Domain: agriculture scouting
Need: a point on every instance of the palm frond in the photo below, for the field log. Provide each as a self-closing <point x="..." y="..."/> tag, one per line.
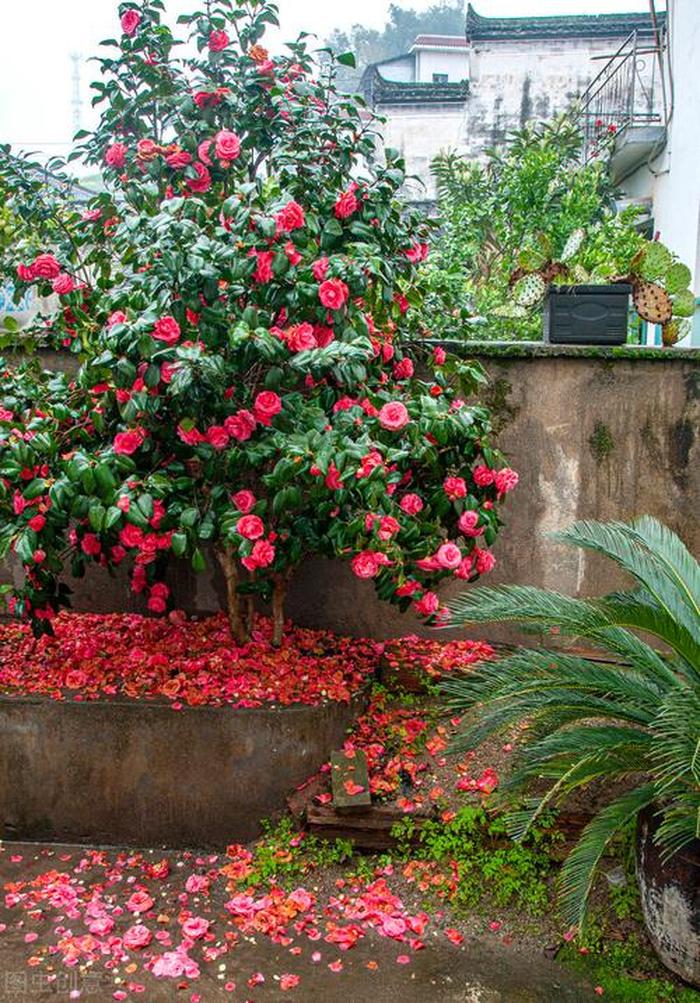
<point x="673" y="553"/>
<point x="627" y="547"/>
<point x="579" y="869"/>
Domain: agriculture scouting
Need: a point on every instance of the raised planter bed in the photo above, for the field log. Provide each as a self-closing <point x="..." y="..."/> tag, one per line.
<point x="136" y="772"/>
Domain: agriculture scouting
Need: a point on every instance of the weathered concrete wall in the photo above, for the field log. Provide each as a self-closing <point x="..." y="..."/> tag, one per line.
<point x="594" y="434"/>
<point x="140" y="773"/>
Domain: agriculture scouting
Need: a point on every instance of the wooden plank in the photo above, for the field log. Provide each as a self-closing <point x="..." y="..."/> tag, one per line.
<point x="367" y="830"/>
<point x="350" y="780"/>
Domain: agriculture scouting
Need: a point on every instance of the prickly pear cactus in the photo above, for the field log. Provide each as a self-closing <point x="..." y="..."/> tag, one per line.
<point x="683" y="303"/>
<point x="652" y="303"/>
<point x="678" y="278"/>
<point x="656" y="263"/>
<point x="531" y="259"/>
<point x="674" y="331"/>
<point x="573" y="244"/>
<point x="529" y="290"/>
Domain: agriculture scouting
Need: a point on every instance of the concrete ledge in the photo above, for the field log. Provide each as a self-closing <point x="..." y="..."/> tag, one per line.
<point x="140" y="773"/>
<point x="540" y="350"/>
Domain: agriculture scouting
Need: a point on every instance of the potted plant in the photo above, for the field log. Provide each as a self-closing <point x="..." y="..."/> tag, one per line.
<point x="587" y="303"/>
<point x="633" y="719"/>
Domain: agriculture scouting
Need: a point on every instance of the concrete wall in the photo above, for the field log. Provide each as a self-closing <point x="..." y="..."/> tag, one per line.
<point x="420" y="132"/>
<point x="594" y="434"/>
<point x="453" y="62"/>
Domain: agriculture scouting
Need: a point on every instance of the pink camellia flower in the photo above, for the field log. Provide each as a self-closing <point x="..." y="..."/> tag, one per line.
<point x="63" y="284"/>
<point x="417" y="252"/>
<point x="37" y="523"/>
<point x="288" y="981"/>
<point x="251" y="527"/>
<point x="428" y="605"/>
<point x="487" y="783"/>
<point x="197" y="883"/>
<point x="147" y="149"/>
<point x="468" y="523"/>
<point x="261" y="556"/>
<point x="333" y="293"/>
<point x="301" y="338"/>
<point x="101" y="926"/>
<point x="218" y="41"/>
<point x="177" y="159"/>
<point x="139" y="902"/>
<point x="411" y="504"/>
<point x="484" y="561"/>
<point x="347" y="203"/>
<point x="483" y="476"/>
<point x="195" y="927"/>
<point x="293" y="255"/>
<point x="203" y="151"/>
<point x="126" y="443"/>
<point x="394" y="416"/>
<point x="455" y="487"/>
<point x="115" y="155"/>
<point x="290" y="217"/>
<point x="90" y="545"/>
<point x="118" y="317"/>
<point x="170" y="965"/>
<point x="217" y="436"/>
<point x="388" y="526"/>
<point x="240" y="426"/>
<point x="25" y="273"/>
<point x="449" y="556"/>
<point x="506" y="480"/>
<point x="267" y="404"/>
<point x="320" y="269"/>
<point x="439" y="356"/>
<point x="136" y="937"/>
<point x="130" y="20"/>
<point x="227" y="145"/>
<point x="244" y="501"/>
<point x="166" y="329"/>
<point x="45" y="266"/>
<point x="368" y="563"/>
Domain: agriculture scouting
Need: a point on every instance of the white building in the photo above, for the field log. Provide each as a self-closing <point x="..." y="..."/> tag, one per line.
<point x="467" y="92"/>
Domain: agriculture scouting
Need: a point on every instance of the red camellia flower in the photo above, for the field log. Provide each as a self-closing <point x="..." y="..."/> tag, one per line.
<point x="506" y="480"/>
<point x="394" y="416"/>
<point x="178" y="158"/>
<point x="244" y="501"/>
<point x="320" y="269"/>
<point x="218" y="41"/>
<point x="428" y="605"/>
<point x="263" y="271"/>
<point x="166" y="329"/>
<point x="37" y="523"/>
<point x="267" y="404"/>
<point x="290" y="217"/>
<point x="126" y="443"/>
<point x="449" y="556"/>
<point x="333" y="293"/>
<point x="227" y="145"/>
<point x="347" y="203"/>
<point x="261" y="556"/>
<point x="217" y="436"/>
<point x="468" y="522"/>
<point x="130" y="20"/>
<point x="25" y="273"/>
<point x="241" y="425"/>
<point x="251" y="527"/>
<point x="115" y="155"/>
<point x="45" y="266"/>
<point x="202" y="183"/>
<point x="483" y="476"/>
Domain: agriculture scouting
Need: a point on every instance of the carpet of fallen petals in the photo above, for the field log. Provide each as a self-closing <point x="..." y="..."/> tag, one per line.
<point x="195" y="662"/>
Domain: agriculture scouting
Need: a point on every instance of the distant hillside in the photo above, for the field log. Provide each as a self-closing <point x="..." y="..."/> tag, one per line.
<point x="371" y="45"/>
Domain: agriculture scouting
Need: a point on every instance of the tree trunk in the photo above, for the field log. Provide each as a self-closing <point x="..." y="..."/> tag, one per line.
<point x="235" y="618"/>
<point x="279" y="593"/>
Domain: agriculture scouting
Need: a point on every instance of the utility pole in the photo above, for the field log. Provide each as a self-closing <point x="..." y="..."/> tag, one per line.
<point x="77" y="101"/>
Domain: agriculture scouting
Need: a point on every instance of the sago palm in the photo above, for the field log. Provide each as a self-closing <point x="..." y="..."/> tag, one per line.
<point x="633" y="717"/>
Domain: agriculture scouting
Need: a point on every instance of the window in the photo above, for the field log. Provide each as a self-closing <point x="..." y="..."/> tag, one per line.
<point x="440" y="78"/>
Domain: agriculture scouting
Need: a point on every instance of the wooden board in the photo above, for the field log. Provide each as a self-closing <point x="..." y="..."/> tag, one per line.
<point x="368" y="830"/>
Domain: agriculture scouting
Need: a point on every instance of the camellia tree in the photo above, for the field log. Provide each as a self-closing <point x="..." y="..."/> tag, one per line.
<point x="241" y="296"/>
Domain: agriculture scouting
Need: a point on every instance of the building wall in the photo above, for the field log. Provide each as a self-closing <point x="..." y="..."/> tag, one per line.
<point x="420" y="132"/>
<point x="673" y="179"/>
<point x="454" y="63"/>
<point x="511" y="83"/>
<point x="402" y="70"/>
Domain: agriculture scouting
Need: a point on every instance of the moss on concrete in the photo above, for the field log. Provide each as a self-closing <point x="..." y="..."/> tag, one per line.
<point x="540" y="350"/>
<point x="601" y="442"/>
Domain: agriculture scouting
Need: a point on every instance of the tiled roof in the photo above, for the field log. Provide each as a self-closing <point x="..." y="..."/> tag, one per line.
<point x="568" y="26"/>
<point x="440" y="42"/>
<point x="379" y="91"/>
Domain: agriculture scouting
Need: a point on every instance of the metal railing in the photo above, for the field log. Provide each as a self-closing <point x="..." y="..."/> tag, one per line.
<point x="629" y="90"/>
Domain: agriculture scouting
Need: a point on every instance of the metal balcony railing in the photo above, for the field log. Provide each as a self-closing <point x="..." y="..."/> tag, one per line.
<point x="630" y="90"/>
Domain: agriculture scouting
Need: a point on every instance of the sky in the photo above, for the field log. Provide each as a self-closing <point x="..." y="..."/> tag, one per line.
<point x="38" y="38"/>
